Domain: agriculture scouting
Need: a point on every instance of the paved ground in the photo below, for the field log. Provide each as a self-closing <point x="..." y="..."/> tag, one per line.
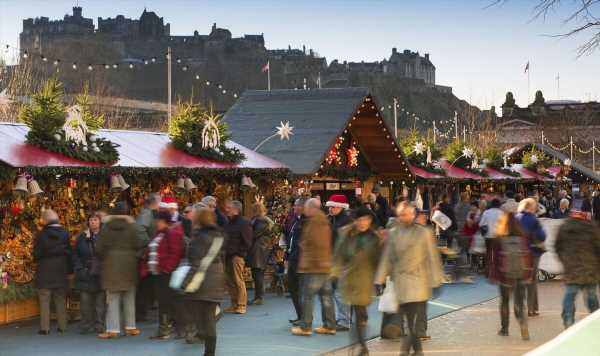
<point x="263" y="331"/>
<point x="472" y="331"/>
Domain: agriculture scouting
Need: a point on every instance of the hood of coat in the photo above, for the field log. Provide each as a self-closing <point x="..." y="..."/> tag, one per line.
<point x="118" y="222"/>
<point x="54" y="231"/>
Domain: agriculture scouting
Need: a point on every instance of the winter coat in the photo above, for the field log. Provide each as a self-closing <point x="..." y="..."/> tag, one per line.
<point x="83" y="255"/>
<point x="146" y="220"/>
<point x="315" y="245"/>
<point x="382" y="210"/>
<point x="411" y="259"/>
<point x="596" y="208"/>
<point x="117" y="247"/>
<point x="261" y="242"/>
<point x="293" y="239"/>
<point x="170" y="251"/>
<point x="461" y="210"/>
<point x="52" y="255"/>
<point x="212" y="288"/>
<point x="559" y="214"/>
<point x="355" y="262"/>
<point x="338" y="221"/>
<point x="578" y="247"/>
<point x="499" y="263"/>
<point x="586" y="205"/>
<point x="534" y="232"/>
<point x="222" y="220"/>
<point x="239" y="237"/>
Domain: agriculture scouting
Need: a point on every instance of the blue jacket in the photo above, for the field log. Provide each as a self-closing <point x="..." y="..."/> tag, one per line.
<point x="534" y="232"/>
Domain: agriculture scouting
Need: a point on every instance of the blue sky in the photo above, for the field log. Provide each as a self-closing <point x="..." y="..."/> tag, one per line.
<point x="481" y="52"/>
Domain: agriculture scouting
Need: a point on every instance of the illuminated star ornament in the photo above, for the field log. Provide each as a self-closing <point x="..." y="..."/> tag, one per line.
<point x="534" y="159"/>
<point x="467" y="152"/>
<point x="419" y="148"/>
<point x="284" y="130"/>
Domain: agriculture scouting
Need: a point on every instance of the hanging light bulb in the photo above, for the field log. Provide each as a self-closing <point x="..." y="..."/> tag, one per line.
<point x="25" y="54"/>
<point x="184" y="68"/>
<point x="197" y="77"/>
<point x="145" y="61"/>
<point x="130" y="65"/>
<point x="224" y="91"/>
<point x="56" y="62"/>
<point x="220" y="86"/>
<point x="107" y="66"/>
<point x="44" y="59"/>
<point x="74" y="65"/>
<point x="235" y="95"/>
<point x="90" y="67"/>
<point x="178" y="60"/>
<point x="153" y="59"/>
<point x="115" y="66"/>
<point x="207" y="82"/>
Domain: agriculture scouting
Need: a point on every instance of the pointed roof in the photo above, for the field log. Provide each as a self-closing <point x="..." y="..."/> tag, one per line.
<point x="319" y="117"/>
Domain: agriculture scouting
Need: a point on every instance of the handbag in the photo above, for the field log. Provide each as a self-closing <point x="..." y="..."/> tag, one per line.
<point x="388" y="302"/>
<point x="441" y="220"/>
<point x="178" y="276"/>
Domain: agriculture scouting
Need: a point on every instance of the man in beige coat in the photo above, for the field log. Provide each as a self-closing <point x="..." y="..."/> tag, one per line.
<point x="413" y="263"/>
<point x="314" y="266"/>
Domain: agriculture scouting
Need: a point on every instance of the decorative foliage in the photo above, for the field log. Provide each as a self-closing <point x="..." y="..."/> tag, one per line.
<point x="535" y="159"/>
<point x="93" y="121"/>
<point x="201" y="133"/>
<point x="51" y="129"/>
<point x="460" y="154"/>
<point x="420" y="152"/>
<point x="493" y="157"/>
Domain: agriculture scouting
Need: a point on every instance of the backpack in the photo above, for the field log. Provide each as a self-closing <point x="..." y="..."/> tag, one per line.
<point x="515" y="256"/>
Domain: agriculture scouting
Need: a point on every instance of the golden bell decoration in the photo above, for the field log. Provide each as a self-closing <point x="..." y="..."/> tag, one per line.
<point x="115" y="185"/>
<point x="21" y="185"/>
<point x="180" y="186"/>
<point x="247" y="183"/>
<point x="189" y="185"/>
<point x="34" y="187"/>
<point x="122" y="182"/>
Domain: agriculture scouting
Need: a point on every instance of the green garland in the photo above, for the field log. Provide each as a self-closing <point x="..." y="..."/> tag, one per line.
<point x="542" y="161"/>
<point x="454" y="154"/>
<point x="509" y="172"/>
<point x="343" y="173"/>
<point x="408" y="144"/>
<point x="17" y="292"/>
<point x="185" y="131"/>
<point x="107" y="152"/>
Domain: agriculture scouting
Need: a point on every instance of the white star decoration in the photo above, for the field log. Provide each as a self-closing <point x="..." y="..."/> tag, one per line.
<point x="419" y="148"/>
<point x="533" y="159"/>
<point x="284" y="130"/>
<point x="567" y="162"/>
<point x="467" y="152"/>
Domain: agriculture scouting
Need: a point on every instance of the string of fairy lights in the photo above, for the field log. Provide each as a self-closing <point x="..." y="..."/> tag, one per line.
<point x="183" y="64"/>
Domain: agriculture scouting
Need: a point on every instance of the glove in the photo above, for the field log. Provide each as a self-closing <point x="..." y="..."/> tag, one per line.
<point x="379" y="288"/>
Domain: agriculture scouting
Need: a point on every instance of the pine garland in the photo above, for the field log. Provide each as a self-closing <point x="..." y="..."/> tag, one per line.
<point x="16" y="292"/>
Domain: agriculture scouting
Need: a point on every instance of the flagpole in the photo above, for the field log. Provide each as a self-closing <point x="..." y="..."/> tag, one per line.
<point x="528" y="83"/>
<point x="269" y="75"/>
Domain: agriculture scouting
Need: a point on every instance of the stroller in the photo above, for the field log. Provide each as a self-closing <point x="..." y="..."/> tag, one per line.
<point x="276" y="262"/>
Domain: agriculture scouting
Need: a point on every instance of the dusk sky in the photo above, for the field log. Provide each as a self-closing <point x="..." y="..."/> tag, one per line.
<point x="481" y="52"/>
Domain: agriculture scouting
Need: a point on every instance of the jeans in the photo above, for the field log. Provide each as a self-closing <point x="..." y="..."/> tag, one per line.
<point x="113" y="310"/>
<point x="317" y="283"/>
<point x="589" y="295"/>
<point x="93" y="308"/>
<point x="532" y="288"/>
<point x="234" y="278"/>
<point x="518" y="303"/>
<point x="58" y="296"/>
<point x="294" y="283"/>
<point x="258" y="276"/>
<point x="411" y="311"/>
<point x="343" y="313"/>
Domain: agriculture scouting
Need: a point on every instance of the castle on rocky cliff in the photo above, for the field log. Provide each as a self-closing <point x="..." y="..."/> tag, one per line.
<point x="217" y="57"/>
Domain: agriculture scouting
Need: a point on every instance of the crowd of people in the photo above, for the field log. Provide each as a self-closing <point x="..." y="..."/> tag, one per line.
<point x="187" y="262"/>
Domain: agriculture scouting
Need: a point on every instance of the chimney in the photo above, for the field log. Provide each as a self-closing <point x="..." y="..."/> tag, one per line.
<point x="394" y="51"/>
<point x="426" y="55"/>
<point x="304" y="49"/>
<point x="77" y="11"/>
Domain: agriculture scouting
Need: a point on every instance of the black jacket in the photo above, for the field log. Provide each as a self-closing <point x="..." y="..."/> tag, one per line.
<point x="596" y="208"/>
<point x="239" y="237"/>
<point x="261" y="242"/>
<point x="83" y="254"/>
<point x="337" y="221"/>
<point x="293" y="240"/>
<point x="212" y="288"/>
<point x="382" y="210"/>
<point x="52" y="255"/>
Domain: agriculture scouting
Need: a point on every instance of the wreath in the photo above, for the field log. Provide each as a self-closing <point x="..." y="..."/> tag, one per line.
<point x="70" y="132"/>
<point x="201" y="132"/>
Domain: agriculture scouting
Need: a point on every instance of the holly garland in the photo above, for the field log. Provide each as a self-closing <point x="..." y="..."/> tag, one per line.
<point x="68" y="132"/>
<point x="202" y="133"/>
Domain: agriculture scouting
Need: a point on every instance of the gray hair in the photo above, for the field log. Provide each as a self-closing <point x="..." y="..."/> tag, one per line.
<point x="209" y="201"/>
<point x="564" y="202"/>
<point x="300" y="202"/>
<point x="49" y="216"/>
<point x="152" y="198"/>
<point x="237" y="205"/>
<point x="313" y="203"/>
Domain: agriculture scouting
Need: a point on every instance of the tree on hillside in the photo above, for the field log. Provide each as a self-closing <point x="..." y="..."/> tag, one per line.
<point x="583" y="19"/>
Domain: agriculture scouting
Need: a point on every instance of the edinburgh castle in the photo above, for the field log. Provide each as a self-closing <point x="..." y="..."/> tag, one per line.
<point x="128" y="60"/>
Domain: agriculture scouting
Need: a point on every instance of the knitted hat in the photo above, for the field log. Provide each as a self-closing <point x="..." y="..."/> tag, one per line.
<point x="362" y="211"/>
<point x="338" y="201"/>
<point x="168" y="202"/>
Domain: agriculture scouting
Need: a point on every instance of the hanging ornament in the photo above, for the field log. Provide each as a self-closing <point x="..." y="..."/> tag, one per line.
<point x="467" y="152"/>
<point x="505" y="158"/>
<point x="188" y="144"/>
<point x="534" y="159"/>
<point x="429" y="160"/>
<point x="211" y="137"/>
<point x="567" y="162"/>
<point x="57" y="137"/>
<point x="419" y="148"/>
<point x="75" y="128"/>
<point x="474" y="163"/>
<point x="284" y="130"/>
<point x="352" y="156"/>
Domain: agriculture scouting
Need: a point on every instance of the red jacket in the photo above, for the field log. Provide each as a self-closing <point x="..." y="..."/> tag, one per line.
<point x="170" y="251"/>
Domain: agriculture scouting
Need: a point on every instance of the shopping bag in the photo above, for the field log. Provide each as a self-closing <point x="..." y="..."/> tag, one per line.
<point x="441" y="220"/>
<point x="178" y="276"/>
<point x="478" y="244"/>
<point x="388" y="302"/>
<point x="550" y="263"/>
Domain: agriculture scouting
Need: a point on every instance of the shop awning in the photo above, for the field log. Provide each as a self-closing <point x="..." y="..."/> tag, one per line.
<point x="526" y="173"/>
<point x="495" y="174"/>
<point x="137" y="149"/>
<point x="458" y="173"/>
<point x="422" y="173"/>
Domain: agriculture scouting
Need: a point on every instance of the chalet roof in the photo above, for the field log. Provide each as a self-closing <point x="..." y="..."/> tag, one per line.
<point x="318" y="117"/>
<point x="137" y="149"/>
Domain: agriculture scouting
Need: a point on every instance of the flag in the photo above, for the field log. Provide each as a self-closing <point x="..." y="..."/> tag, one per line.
<point x="266" y="67"/>
<point x="526" y="67"/>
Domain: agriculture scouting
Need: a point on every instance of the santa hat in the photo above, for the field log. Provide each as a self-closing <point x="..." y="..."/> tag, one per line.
<point x="168" y="202"/>
<point x="337" y="201"/>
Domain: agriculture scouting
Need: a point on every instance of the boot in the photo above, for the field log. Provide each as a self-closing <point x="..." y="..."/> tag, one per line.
<point x="524" y="331"/>
<point x="164" y="330"/>
<point x="210" y="346"/>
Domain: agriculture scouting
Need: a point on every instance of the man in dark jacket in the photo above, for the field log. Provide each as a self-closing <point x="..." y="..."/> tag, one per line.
<point x="446" y="208"/>
<point x="578" y="247"/>
<point x="144" y="296"/>
<point x="382" y="208"/>
<point x="52" y="255"/>
<point x="338" y="217"/>
<point x="237" y="245"/>
<point x="211" y="202"/>
<point x="292" y="253"/>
